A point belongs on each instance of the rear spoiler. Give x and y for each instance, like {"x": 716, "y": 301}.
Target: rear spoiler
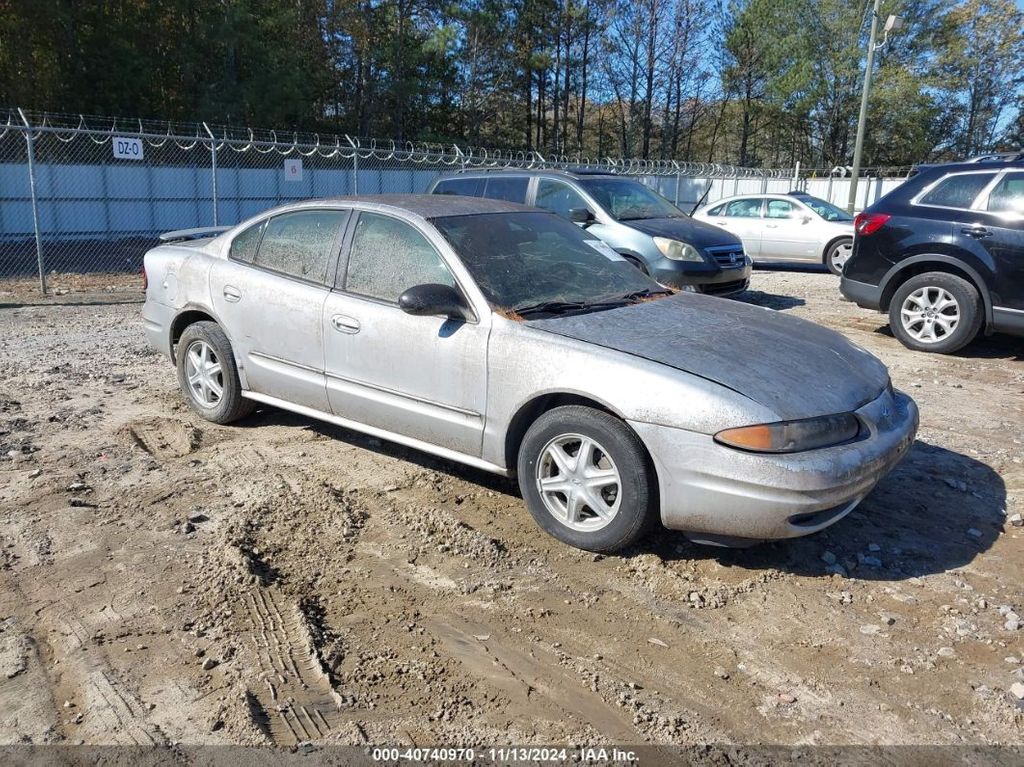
{"x": 192, "y": 234}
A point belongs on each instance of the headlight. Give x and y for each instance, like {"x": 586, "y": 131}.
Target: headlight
{"x": 676, "y": 250}
{"x": 792, "y": 436}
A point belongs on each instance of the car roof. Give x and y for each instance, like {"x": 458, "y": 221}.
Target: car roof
{"x": 563, "y": 173}
{"x": 422, "y": 205}
{"x": 971, "y": 165}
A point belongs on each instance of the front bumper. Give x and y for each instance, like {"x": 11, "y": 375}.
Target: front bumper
{"x": 704, "y": 278}
{"x": 717, "y": 494}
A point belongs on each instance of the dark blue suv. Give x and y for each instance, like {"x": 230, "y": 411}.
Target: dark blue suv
{"x": 943, "y": 254}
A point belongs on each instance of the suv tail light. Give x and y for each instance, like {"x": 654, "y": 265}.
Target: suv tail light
{"x": 869, "y": 223}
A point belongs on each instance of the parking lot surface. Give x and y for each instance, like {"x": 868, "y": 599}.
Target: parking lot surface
{"x": 164, "y": 579}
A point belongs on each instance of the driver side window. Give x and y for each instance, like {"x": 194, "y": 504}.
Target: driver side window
{"x": 558, "y": 197}
{"x": 780, "y": 209}
{"x": 388, "y": 256}
{"x": 744, "y": 209}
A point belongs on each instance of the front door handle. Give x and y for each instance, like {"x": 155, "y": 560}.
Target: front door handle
{"x": 232, "y": 294}
{"x": 345, "y": 324}
{"x": 771, "y": 226}
{"x": 976, "y": 231}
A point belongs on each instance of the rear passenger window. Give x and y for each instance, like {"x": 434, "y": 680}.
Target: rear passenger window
{"x": 301, "y": 244}
{"x": 469, "y": 187}
{"x": 389, "y": 256}
{"x": 504, "y": 188}
{"x": 958, "y": 191}
{"x": 717, "y": 210}
{"x": 1008, "y": 195}
{"x": 243, "y": 247}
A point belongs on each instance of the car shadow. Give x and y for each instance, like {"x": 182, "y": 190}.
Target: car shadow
{"x": 994, "y": 347}
{"x": 786, "y": 266}
{"x": 769, "y": 300}
{"x": 267, "y": 415}
{"x": 935, "y": 512}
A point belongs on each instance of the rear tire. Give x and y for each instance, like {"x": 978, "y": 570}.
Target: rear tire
{"x": 208, "y": 376}
{"x": 935, "y": 312}
{"x": 836, "y": 255}
{"x": 586, "y": 479}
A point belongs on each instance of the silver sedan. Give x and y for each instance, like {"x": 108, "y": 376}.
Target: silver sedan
{"x": 508, "y": 339}
{"x": 786, "y": 227}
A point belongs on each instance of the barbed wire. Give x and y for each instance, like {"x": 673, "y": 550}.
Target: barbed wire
{"x": 186, "y": 136}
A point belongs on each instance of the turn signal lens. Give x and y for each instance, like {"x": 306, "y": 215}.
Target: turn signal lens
{"x": 792, "y": 436}
{"x": 869, "y": 223}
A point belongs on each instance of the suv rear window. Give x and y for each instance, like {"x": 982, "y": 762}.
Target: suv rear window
{"x": 469, "y": 187}
{"x": 959, "y": 191}
{"x": 508, "y": 189}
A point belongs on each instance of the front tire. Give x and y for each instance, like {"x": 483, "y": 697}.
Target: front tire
{"x": 208, "y": 376}
{"x": 837, "y": 254}
{"x": 935, "y": 312}
{"x": 586, "y": 479}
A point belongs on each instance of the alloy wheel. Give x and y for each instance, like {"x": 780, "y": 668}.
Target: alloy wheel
{"x": 578, "y": 482}
{"x": 930, "y": 314}
{"x": 840, "y": 254}
{"x": 205, "y": 377}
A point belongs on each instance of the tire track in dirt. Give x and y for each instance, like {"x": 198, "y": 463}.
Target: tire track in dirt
{"x": 164, "y": 438}
{"x": 298, "y": 700}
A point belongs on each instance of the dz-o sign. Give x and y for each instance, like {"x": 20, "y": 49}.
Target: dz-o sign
{"x": 293, "y": 170}
{"x": 127, "y": 148}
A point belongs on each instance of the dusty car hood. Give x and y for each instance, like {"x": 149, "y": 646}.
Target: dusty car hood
{"x": 796, "y": 368}
{"x": 698, "y": 233}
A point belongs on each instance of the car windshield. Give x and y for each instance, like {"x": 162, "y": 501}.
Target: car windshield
{"x": 626, "y": 200}
{"x": 539, "y": 263}
{"x": 826, "y": 210}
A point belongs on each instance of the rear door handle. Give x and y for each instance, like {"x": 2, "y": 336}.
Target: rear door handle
{"x": 232, "y": 294}
{"x": 345, "y": 324}
{"x": 976, "y": 231}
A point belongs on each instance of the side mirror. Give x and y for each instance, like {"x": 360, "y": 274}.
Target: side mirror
{"x": 806, "y": 219}
{"x": 581, "y": 216}
{"x": 433, "y": 300}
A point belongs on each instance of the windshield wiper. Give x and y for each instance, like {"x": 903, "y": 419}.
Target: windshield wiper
{"x": 645, "y": 293}
{"x": 563, "y": 307}
{"x": 551, "y": 307}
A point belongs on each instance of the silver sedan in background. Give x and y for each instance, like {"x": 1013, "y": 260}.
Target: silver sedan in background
{"x": 786, "y": 227}
{"x": 507, "y": 338}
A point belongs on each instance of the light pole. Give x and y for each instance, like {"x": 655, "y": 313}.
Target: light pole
{"x": 891, "y": 24}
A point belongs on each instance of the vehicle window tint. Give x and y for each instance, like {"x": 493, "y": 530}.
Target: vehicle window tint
{"x": 470, "y": 187}
{"x": 301, "y": 244}
{"x": 504, "y": 188}
{"x": 1008, "y": 195}
{"x": 388, "y": 257}
{"x": 744, "y": 209}
{"x": 780, "y": 209}
{"x": 957, "y": 191}
{"x": 243, "y": 247}
{"x": 718, "y": 210}
{"x": 558, "y": 197}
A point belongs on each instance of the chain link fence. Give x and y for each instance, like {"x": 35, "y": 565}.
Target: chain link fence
{"x": 84, "y": 195}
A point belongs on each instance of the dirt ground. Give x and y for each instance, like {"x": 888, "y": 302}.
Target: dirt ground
{"x": 166, "y": 580}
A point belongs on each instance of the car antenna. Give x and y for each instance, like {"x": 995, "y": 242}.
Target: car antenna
{"x": 702, "y": 197}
